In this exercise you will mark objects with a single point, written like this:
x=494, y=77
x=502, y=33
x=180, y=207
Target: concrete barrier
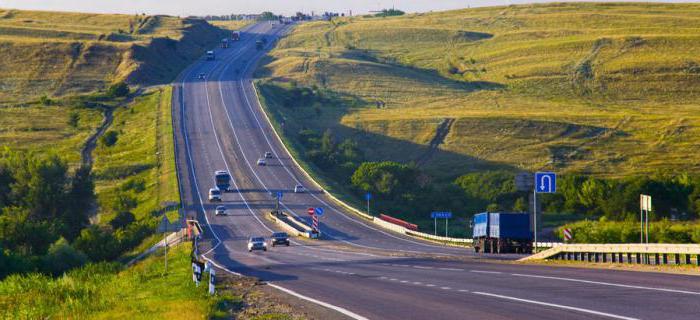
x=658, y=253
x=291, y=226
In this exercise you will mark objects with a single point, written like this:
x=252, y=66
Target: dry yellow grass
x=608, y=89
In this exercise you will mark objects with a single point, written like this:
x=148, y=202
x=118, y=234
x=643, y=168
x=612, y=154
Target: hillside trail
x=441, y=133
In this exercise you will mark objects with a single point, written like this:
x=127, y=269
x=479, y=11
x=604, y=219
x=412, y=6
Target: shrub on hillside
x=119, y=89
x=603, y=231
x=62, y=257
x=109, y=138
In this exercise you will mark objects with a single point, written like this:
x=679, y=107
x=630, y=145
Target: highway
x=359, y=270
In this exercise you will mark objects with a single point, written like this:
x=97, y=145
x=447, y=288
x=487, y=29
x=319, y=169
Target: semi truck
x=236, y=35
x=500, y=232
x=210, y=55
x=259, y=44
x=224, y=43
x=222, y=179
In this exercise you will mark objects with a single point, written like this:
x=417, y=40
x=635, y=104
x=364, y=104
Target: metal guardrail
x=653, y=253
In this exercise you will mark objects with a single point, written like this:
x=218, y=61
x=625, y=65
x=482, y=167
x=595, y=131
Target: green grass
x=143, y=153
x=42, y=129
x=105, y=291
x=606, y=89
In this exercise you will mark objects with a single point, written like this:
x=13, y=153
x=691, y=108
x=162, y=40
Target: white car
x=257, y=243
x=299, y=189
x=261, y=162
x=220, y=211
x=268, y=155
x=214, y=194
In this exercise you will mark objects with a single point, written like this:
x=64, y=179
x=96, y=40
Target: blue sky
x=203, y=7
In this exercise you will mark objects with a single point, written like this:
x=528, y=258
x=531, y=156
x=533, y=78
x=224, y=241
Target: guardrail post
x=687, y=259
x=656, y=258
x=639, y=258
x=589, y=256
x=612, y=257
x=664, y=258
x=619, y=255
x=605, y=257
x=697, y=260
x=677, y=259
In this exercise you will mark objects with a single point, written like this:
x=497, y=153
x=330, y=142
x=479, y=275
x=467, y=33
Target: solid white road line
x=319, y=302
x=607, y=283
x=484, y=271
x=553, y=305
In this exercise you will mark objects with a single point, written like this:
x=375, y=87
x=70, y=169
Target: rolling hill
x=604, y=89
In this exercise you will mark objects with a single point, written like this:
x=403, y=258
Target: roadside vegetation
x=142, y=291
x=463, y=100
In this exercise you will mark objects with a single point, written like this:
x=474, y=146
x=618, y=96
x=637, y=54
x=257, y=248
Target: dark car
x=280, y=238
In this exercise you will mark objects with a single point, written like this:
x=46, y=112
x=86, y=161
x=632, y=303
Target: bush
x=73, y=119
x=98, y=243
x=119, y=89
x=122, y=220
x=109, y=138
x=62, y=257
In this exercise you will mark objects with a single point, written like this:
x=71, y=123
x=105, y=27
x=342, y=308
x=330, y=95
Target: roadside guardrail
x=652, y=253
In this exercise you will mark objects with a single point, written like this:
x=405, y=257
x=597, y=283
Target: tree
x=267, y=15
x=62, y=257
x=385, y=178
x=122, y=220
x=81, y=196
x=98, y=243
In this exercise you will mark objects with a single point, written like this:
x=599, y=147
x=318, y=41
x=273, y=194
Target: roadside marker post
x=567, y=234
x=545, y=182
x=644, y=208
x=318, y=213
x=368, y=196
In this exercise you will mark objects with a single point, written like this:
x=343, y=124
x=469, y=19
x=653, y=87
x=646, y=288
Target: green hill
x=607, y=89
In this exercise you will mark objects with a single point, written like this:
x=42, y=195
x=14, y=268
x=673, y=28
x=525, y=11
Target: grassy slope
x=54, y=53
x=143, y=153
x=138, y=292
x=605, y=89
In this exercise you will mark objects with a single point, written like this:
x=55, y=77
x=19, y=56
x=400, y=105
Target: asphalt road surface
x=359, y=269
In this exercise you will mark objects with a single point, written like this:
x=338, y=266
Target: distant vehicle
x=220, y=211
x=223, y=180
x=224, y=43
x=280, y=238
x=214, y=194
x=200, y=76
x=496, y=232
x=268, y=155
x=261, y=162
x=299, y=189
x=259, y=44
x=236, y=35
x=257, y=243
x=210, y=55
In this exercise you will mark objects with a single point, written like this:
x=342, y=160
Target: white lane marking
x=451, y=269
x=392, y=279
x=484, y=271
x=404, y=281
x=418, y=283
x=422, y=267
x=607, y=284
x=588, y=311
x=445, y=288
x=319, y=302
x=462, y=290
x=429, y=285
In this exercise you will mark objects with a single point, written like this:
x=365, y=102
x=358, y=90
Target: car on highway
x=200, y=76
x=262, y=162
x=257, y=243
x=299, y=189
x=268, y=155
x=220, y=211
x=214, y=194
x=279, y=238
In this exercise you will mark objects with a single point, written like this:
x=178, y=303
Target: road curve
x=363, y=271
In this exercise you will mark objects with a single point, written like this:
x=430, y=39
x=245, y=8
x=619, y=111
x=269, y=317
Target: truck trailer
x=498, y=232
x=210, y=55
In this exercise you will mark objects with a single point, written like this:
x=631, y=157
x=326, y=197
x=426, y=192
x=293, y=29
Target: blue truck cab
x=499, y=232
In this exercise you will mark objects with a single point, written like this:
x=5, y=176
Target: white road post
x=534, y=217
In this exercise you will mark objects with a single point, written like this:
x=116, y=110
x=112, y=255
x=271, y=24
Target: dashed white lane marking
x=418, y=283
x=404, y=281
x=588, y=311
x=422, y=267
x=445, y=288
x=484, y=271
x=607, y=283
x=463, y=290
x=429, y=285
x=451, y=269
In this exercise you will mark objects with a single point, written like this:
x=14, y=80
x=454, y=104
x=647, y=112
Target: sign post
x=644, y=208
x=368, y=196
x=164, y=227
x=545, y=182
x=442, y=215
x=318, y=213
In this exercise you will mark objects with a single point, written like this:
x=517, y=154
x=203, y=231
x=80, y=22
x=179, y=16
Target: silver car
x=261, y=162
x=220, y=211
x=257, y=243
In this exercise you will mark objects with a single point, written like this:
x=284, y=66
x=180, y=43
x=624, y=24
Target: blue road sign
x=441, y=215
x=319, y=211
x=368, y=196
x=545, y=182
x=279, y=194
